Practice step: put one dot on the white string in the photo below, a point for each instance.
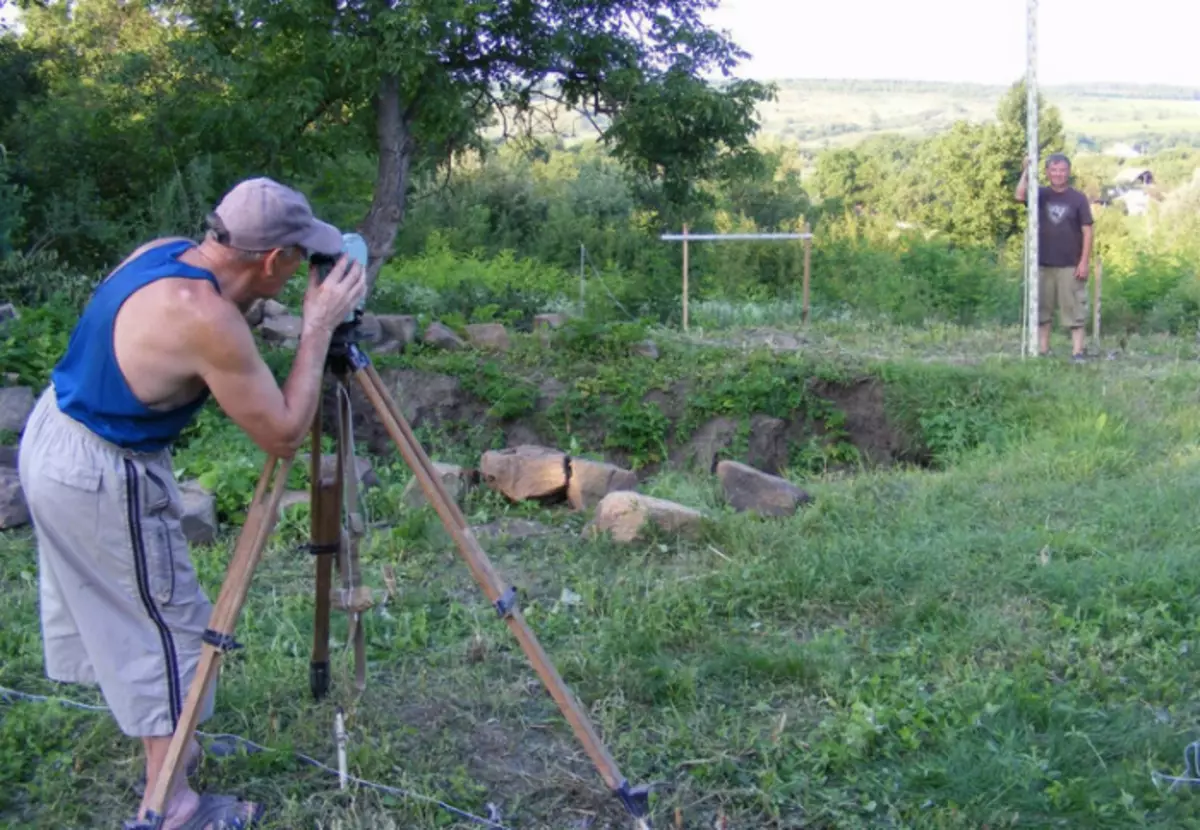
(1191, 762)
(8, 695)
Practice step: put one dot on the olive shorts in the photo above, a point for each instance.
(120, 603)
(1058, 286)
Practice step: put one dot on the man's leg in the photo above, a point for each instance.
(1046, 286)
(1073, 307)
(113, 558)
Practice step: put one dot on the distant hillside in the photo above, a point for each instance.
(828, 113)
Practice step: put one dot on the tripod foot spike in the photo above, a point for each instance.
(637, 802)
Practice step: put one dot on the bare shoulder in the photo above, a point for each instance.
(214, 330)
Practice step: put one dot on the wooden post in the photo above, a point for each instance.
(1096, 303)
(685, 278)
(807, 270)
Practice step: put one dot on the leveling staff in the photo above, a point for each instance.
(120, 602)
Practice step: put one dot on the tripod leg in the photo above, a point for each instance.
(504, 599)
(218, 638)
(324, 504)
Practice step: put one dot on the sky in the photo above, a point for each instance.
(977, 41)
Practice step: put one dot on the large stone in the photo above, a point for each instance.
(711, 442)
(398, 328)
(454, 479)
(13, 510)
(254, 313)
(748, 489)
(366, 474)
(285, 328)
(627, 516)
(488, 336)
(591, 481)
(7, 312)
(199, 514)
(441, 336)
(526, 472)
(768, 449)
(16, 402)
(273, 308)
(291, 498)
(370, 330)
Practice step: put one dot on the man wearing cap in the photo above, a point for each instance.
(120, 603)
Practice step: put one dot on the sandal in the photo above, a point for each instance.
(223, 812)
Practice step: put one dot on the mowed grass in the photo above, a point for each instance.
(1009, 641)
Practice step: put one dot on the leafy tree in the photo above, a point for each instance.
(419, 81)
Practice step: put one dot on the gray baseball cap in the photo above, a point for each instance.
(260, 214)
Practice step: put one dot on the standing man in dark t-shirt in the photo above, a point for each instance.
(1064, 249)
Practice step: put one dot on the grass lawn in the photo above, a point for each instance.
(1006, 637)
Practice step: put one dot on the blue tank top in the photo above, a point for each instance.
(89, 384)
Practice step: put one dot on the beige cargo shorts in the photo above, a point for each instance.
(1058, 287)
(120, 603)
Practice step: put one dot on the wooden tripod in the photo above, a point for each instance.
(347, 361)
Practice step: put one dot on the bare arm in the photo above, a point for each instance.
(1085, 257)
(1022, 183)
(276, 419)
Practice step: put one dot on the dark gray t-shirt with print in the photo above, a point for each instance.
(1061, 217)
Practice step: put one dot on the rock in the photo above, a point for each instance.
(254, 314)
(9, 457)
(199, 514)
(626, 516)
(8, 311)
(441, 336)
(552, 321)
(293, 497)
(707, 445)
(274, 308)
(768, 444)
(647, 349)
(433, 398)
(591, 481)
(370, 330)
(16, 402)
(488, 336)
(423, 397)
(748, 489)
(282, 329)
(526, 471)
(13, 510)
(454, 478)
(398, 328)
(366, 475)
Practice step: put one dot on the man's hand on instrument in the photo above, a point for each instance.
(326, 303)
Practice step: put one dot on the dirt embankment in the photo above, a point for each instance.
(852, 414)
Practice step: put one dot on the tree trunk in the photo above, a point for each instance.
(382, 221)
